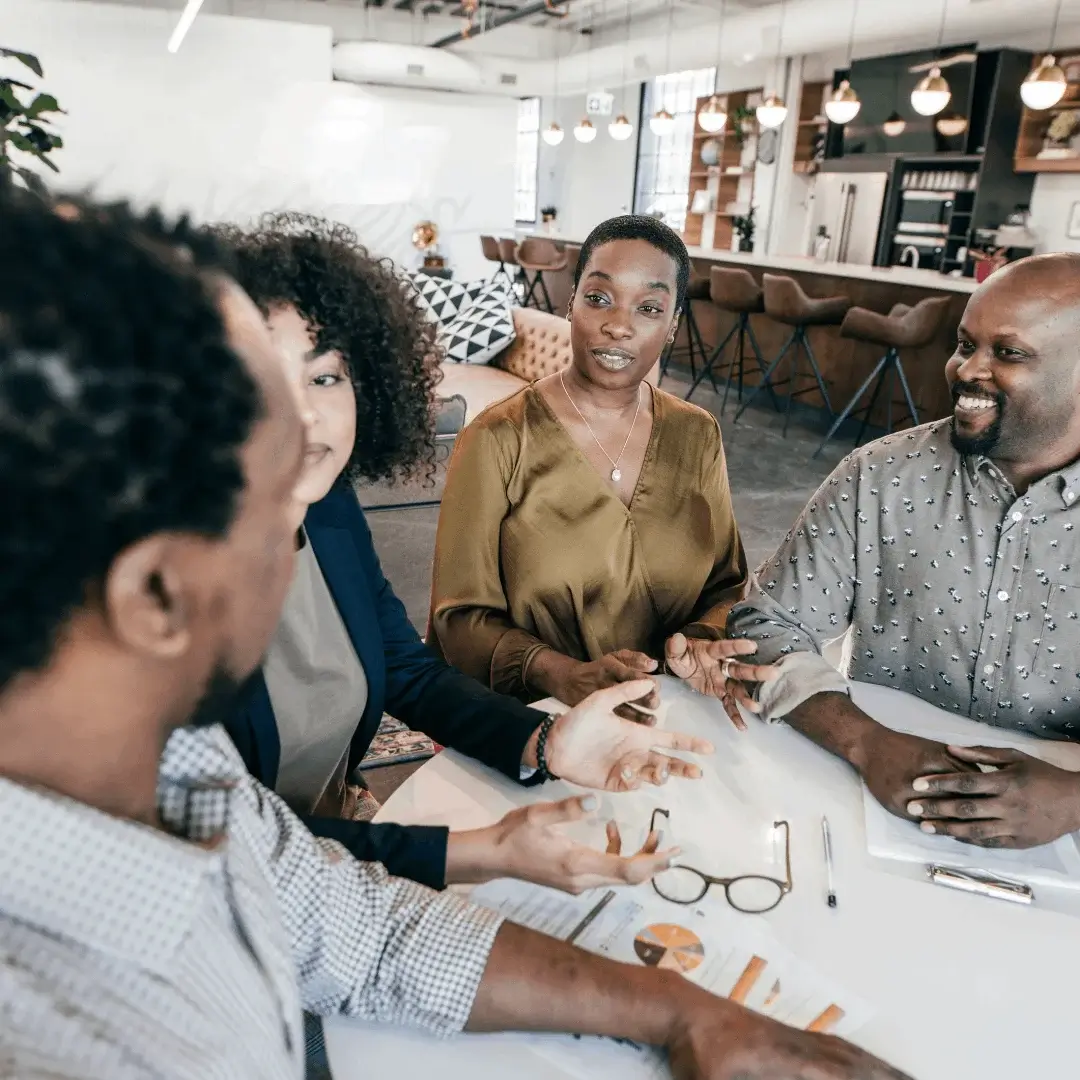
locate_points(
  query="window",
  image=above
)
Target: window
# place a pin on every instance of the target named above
(528, 156)
(663, 174)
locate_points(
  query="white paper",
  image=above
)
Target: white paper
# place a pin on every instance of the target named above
(741, 960)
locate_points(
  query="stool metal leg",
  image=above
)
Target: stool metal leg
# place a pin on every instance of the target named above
(760, 359)
(877, 373)
(884, 383)
(544, 290)
(907, 391)
(817, 372)
(710, 361)
(767, 375)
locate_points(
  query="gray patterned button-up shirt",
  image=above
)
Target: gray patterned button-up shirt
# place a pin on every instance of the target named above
(955, 589)
(128, 954)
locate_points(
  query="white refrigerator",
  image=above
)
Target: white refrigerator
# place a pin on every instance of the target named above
(849, 205)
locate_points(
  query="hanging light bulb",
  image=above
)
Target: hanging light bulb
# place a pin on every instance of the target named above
(931, 94)
(620, 129)
(772, 112)
(895, 125)
(843, 104)
(585, 132)
(951, 124)
(553, 134)
(713, 115)
(1045, 85)
(661, 123)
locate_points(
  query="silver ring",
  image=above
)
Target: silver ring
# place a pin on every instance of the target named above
(725, 668)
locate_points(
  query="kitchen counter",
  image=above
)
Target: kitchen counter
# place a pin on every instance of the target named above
(844, 363)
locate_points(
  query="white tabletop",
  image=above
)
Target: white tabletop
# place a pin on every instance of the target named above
(964, 986)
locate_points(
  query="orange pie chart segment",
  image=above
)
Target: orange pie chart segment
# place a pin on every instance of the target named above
(665, 945)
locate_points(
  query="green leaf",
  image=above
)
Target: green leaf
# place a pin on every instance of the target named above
(43, 103)
(8, 97)
(21, 142)
(26, 59)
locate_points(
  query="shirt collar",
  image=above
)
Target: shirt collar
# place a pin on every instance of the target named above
(109, 884)
(1066, 482)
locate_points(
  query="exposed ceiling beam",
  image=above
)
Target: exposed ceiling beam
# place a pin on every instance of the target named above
(504, 20)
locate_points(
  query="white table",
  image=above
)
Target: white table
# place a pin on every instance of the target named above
(965, 987)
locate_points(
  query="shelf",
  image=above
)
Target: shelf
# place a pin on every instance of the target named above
(1047, 165)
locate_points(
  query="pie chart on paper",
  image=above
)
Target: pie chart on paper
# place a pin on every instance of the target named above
(665, 945)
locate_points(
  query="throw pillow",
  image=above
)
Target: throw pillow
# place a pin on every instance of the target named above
(483, 329)
(442, 298)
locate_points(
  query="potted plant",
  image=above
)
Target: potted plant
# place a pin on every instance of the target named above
(742, 123)
(743, 224)
(25, 124)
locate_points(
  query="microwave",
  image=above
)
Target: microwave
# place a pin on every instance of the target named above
(925, 212)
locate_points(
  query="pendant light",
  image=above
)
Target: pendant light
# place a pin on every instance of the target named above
(1045, 85)
(895, 125)
(553, 134)
(661, 122)
(932, 92)
(620, 129)
(772, 112)
(713, 115)
(844, 104)
(951, 124)
(585, 132)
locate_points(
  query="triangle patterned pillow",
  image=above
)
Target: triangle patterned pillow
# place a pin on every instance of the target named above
(442, 298)
(483, 327)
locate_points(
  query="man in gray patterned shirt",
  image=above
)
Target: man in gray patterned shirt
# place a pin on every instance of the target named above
(951, 552)
(162, 914)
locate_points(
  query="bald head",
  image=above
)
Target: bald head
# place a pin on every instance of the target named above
(1015, 375)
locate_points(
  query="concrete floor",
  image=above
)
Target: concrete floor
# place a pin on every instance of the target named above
(771, 480)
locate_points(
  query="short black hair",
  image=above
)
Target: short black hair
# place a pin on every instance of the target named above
(640, 227)
(362, 307)
(123, 408)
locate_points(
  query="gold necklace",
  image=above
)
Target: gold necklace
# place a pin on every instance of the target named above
(616, 473)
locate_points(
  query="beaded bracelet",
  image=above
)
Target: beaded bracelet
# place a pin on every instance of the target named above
(541, 748)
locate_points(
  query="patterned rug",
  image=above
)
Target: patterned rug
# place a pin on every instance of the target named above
(395, 744)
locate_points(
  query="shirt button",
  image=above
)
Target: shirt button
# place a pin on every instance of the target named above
(1070, 496)
(989, 669)
(1017, 516)
(1003, 596)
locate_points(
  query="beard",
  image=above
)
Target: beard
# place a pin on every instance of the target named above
(221, 698)
(985, 442)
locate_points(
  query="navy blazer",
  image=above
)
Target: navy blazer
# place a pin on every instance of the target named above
(404, 679)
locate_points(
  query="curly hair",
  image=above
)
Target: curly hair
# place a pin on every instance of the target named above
(360, 306)
(123, 408)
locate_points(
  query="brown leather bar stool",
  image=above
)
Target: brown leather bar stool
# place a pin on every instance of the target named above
(903, 328)
(508, 253)
(735, 290)
(489, 245)
(698, 289)
(786, 302)
(572, 253)
(540, 256)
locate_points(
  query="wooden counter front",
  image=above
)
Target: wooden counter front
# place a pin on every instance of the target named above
(844, 363)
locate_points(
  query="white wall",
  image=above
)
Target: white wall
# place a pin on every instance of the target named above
(1051, 205)
(245, 118)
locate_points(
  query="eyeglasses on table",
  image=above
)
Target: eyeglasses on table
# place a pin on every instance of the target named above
(752, 894)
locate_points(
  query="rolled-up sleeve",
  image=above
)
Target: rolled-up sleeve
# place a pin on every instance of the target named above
(366, 944)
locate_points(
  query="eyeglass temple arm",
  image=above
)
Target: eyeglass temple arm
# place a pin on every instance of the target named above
(787, 852)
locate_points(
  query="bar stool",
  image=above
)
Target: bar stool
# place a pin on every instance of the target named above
(489, 245)
(735, 290)
(697, 289)
(786, 302)
(572, 253)
(540, 256)
(903, 328)
(508, 254)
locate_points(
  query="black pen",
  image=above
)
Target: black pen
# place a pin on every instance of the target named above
(831, 895)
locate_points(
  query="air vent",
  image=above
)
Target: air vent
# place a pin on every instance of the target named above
(506, 79)
(416, 70)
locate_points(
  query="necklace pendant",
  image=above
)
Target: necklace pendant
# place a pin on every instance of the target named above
(616, 475)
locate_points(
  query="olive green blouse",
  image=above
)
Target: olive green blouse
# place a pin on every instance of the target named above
(535, 548)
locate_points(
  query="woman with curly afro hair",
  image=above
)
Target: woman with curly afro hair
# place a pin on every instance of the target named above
(353, 338)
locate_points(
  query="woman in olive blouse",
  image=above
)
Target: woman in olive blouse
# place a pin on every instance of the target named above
(586, 530)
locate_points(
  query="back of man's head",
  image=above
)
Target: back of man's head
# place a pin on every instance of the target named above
(122, 407)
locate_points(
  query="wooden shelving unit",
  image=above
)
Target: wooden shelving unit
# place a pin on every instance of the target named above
(812, 122)
(730, 180)
(1034, 125)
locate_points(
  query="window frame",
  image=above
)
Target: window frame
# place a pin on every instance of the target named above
(527, 126)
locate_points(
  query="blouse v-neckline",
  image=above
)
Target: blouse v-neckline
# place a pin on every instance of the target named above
(646, 461)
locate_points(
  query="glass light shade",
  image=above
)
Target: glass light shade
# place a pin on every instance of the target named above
(895, 125)
(772, 112)
(553, 135)
(931, 95)
(843, 104)
(662, 123)
(951, 124)
(1045, 85)
(620, 129)
(713, 116)
(585, 132)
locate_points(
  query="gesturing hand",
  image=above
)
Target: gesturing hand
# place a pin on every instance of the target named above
(528, 844)
(709, 667)
(591, 746)
(1024, 802)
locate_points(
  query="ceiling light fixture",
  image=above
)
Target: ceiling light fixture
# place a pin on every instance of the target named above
(620, 129)
(772, 112)
(712, 117)
(932, 92)
(585, 132)
(894, 125)
(951, 124)
(1045, 85)
(552, 134)
(844, 104)
(187, 17)
(661, 122)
